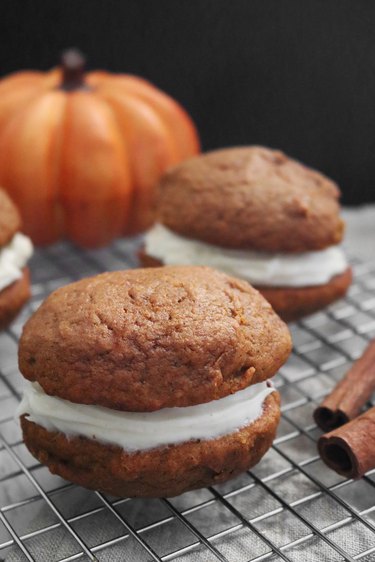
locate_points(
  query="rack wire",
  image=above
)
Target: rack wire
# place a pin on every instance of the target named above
(290, 507)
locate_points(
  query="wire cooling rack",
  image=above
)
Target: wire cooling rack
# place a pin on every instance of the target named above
(289, 507)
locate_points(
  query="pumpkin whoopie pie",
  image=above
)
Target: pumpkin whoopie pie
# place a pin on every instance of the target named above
(15, 250)
(152, 382)
(259, 215)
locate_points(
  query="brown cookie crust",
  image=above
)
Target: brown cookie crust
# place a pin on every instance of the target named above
(167, 471)
(251, 198)
(292, 303)
(10, 219)
(13, 297)
(146, 339)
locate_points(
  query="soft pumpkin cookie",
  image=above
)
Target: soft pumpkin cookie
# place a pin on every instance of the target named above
(257, 214)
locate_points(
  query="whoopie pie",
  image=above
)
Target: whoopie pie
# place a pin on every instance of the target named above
(259, 215)
(152, 382)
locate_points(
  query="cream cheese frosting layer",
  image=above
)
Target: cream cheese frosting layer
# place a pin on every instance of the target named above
(13, 259)
(258, 268)
(135, 431)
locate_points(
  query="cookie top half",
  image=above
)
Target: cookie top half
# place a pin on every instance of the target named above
(10, 219)
(145, 339)
(251, 198)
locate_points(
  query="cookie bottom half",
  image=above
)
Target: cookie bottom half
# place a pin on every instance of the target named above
(293, 303)
(164, 471)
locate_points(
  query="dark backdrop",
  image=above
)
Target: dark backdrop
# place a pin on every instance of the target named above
(294, 74)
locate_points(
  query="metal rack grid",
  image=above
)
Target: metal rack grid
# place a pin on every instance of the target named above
(289, 507)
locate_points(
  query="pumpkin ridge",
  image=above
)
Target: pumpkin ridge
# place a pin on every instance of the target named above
(18, 105)
(163, 104)
(95, 197)
(143, 126)
(126, 148)
(16, 79)
(31, 185)
(59, 213)
(30, 199)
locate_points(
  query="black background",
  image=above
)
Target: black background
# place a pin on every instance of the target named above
(293, 74)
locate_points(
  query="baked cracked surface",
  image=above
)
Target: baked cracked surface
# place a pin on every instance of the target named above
(251, 198)
(141, 340)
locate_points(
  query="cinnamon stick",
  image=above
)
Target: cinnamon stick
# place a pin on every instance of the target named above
(349, 396)
(350, 449)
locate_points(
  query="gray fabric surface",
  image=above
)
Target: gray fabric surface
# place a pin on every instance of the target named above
(360, 233)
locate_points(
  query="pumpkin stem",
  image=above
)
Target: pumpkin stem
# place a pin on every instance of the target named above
(73, 66)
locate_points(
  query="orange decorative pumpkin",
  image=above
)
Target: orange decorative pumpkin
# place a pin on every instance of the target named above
(81, 153)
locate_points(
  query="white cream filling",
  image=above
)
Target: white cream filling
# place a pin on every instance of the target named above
(258, 268)
(135, 431)
(13, 259)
